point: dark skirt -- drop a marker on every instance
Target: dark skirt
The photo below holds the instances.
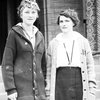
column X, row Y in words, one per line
column 68, row 84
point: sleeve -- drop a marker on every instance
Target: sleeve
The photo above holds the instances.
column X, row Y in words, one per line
column 48, row 72
column 8, row 63
column 41, row 45
column 91, row 70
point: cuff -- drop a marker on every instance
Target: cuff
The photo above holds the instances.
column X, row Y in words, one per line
column 11, row 91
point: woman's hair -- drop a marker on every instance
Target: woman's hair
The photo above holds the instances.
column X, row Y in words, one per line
column 27, row 3
column 70, row 13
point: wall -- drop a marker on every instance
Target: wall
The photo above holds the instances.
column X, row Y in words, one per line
column 3, row 26
column 53, row 9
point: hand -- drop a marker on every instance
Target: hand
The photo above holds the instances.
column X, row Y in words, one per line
column 13, row 96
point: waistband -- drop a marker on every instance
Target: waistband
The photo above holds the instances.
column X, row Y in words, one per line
column 69, row 67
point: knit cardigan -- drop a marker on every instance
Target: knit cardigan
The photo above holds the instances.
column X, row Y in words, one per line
column 87, row 68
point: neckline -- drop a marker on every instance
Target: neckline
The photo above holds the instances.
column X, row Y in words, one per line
column 26, row 33
column 69, row 59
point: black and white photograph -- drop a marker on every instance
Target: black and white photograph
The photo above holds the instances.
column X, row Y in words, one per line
column 50, row 50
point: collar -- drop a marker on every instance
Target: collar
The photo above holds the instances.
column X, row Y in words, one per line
column 34, row 27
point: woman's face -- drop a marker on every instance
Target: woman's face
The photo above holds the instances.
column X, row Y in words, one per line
column 29, row 15
column 66, row 24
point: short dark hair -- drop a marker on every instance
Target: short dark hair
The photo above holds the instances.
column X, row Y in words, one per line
column 70, row 13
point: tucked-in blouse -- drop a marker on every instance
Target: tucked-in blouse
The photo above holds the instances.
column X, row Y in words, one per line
column 68, row 53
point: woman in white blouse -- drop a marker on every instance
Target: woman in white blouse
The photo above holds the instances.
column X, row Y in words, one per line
column 70, row 65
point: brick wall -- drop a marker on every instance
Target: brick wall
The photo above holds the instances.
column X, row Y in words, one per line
column 53, row 9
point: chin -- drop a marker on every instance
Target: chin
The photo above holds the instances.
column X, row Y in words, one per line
column 64, row 31
column 29, row 24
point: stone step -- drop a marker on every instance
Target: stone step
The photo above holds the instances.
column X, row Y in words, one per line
column 98, row 94
column 2, row 89
column 3, row 96
column 97, row 60
column 0, row 75
column 98, row 76
column 1, row 78
column 97, row 68
column 98, row 84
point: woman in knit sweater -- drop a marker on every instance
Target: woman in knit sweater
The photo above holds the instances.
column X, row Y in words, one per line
column 70, row 65
column 21, row 64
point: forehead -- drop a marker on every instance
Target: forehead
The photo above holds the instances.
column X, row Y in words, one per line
column 29, row 9
column 29, row 4
column 65, row 18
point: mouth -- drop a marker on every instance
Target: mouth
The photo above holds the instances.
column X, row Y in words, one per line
column 30, row 19
column 64, row 27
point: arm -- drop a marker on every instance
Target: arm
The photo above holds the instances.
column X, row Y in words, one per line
column 91, row 70
column 7, row 64
column 48, row 73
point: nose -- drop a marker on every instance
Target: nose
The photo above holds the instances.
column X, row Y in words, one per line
column 63, row 23
column 30, row 14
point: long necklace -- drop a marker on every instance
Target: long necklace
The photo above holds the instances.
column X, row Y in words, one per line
column 69, row 60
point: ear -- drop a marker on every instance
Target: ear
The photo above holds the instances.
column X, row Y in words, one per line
column 20, row 15
column 37, row 15
column 73, row 23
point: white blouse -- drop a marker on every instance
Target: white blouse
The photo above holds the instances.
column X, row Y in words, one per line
column 68, row 51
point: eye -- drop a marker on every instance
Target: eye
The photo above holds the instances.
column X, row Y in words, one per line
column 33, row 12
column 27, row 12
column 67, row 21
column 61, row 21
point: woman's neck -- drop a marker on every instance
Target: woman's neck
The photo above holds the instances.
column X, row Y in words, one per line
column 28, row 28
column 67, row 35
